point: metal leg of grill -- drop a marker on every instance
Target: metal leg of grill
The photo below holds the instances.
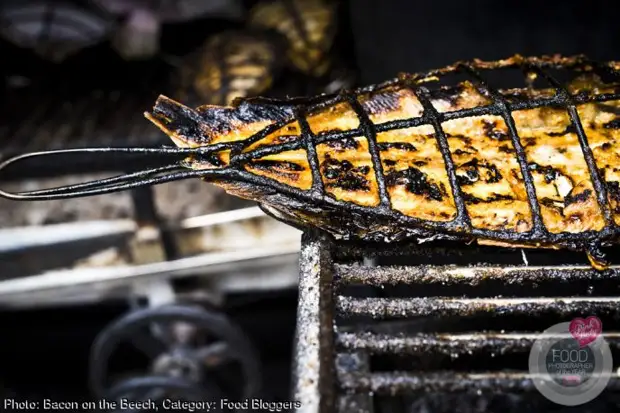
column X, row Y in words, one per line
column 351, row 365
column 314, row 364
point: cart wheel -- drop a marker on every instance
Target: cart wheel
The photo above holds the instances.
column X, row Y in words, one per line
column 190, row 344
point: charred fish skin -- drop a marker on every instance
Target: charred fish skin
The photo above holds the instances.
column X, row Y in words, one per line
column 407, row 160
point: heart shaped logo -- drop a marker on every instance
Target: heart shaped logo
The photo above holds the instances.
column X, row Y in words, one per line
column 585, row 331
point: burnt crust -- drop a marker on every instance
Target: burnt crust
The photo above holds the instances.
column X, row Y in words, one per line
column 415, row 173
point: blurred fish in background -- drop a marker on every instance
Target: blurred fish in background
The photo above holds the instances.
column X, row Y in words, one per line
column 267, row 38
column 231, row 65
column 309, row 26
column 54, row 30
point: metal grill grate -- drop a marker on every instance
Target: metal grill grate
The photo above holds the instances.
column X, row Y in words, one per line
column 439, row 347
column 297, row 109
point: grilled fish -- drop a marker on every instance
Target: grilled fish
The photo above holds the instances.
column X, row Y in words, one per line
column 309, row 162
column 309, row 26
column 231, row 65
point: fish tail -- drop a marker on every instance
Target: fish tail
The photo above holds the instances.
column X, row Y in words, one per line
column 178, row 121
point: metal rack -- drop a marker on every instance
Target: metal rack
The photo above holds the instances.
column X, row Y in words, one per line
column 340, row 332
column 296, row 110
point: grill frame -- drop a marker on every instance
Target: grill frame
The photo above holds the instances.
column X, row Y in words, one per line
column 291, row 110
column 333, row 369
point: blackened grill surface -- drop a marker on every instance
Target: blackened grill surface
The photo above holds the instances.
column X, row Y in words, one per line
column 405, row 342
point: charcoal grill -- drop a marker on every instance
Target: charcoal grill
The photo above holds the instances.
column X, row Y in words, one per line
column 428, row 340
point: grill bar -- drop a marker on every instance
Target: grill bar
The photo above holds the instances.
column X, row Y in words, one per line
column 313, row 159
column 314, row 365
column 369, row 130
column 448, row 344
column 462, row 217
column 346, row 274
column 415, row 343
column 413, row 307
column 408, row 383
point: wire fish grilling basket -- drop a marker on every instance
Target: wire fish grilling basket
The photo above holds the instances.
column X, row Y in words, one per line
column 310, row 198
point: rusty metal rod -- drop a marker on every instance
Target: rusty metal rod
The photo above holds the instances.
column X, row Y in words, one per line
column 449, row 344
column 399, row 383
column 313, row 369
column 448, row 306
column 451, row 274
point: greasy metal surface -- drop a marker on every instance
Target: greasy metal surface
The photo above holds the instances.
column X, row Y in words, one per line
column 351, row 367
column 412, row 307
column 314, row 369
column 21, row 238
column 447, row 344
column 394, row 383
column 439, row 346
column 455, row 275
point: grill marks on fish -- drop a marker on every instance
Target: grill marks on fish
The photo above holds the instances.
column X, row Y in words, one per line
column 613, row 189
column 416, row 182
column 210, row 124
column 288, row 167
column 462, row 96
column 488, row 176
column 569, row 129
column 396, row 146
column 492, row 131
column 416, row 179
column 287, row 133
column 481, row 148
column 614, row 124
column 347, row 173
column 474, row 171
column 559, row 170
column 343, row 175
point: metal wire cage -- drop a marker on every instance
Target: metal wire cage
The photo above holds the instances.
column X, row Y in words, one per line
column 319, row 372
column 283, row 112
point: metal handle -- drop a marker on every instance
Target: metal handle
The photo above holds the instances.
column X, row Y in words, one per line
column 148, row 176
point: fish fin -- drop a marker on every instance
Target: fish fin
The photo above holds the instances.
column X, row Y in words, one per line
column 183, row 124
column 208, row 124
